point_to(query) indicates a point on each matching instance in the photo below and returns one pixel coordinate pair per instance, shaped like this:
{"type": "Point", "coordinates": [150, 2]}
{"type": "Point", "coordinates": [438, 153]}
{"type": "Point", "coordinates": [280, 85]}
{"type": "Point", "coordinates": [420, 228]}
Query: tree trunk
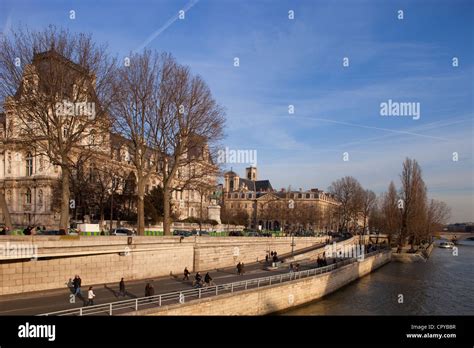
{"type": "Point", "coordinates": [200, 215]}
{"type": "Point", "coordinates": [166, 210]}
{"type": "Point", "coordinates": [65, 194]}
{"type": "Point", "coordinates": [102, 216]}
{"type": "Point", "coordinates": [6, 213]}
{"type": "Point", "coordinates": [141, 207]}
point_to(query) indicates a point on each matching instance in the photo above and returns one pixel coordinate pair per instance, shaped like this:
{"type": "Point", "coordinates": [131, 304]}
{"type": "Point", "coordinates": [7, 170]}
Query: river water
{"type": "Point", "coordinates": [444, 285]}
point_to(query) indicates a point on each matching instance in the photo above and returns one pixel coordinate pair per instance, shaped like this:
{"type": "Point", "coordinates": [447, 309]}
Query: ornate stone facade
{"type": "Point", "coordinates": [269, 209]}
{"type": "Point", "coordinates": [29, 178]}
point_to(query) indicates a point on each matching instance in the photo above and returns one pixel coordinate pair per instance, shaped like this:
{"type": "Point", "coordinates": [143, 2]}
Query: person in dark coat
{"type": "Point", "coordinates": [27, 231]}
{"type": "Point", "coordinates": [197, 280]}
{"type": "Point", "coordinates": [77, 285]}
{"type": "Point", "coordinates": [186, 273]}
{"type": "Point", "coordinates": [151, 290]}
{"type": "Point", "coordinates": [147, 289]}
{"type": "Point", "coordinates": [122, 287]}
{"type": "Point", "coordinates": [239, 268]}
{"type": "Point", "coordinates": [207, 279]}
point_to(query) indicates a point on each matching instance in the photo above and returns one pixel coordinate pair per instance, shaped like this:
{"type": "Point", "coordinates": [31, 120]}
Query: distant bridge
{"type": "Point", "coordinates": [455, 235]}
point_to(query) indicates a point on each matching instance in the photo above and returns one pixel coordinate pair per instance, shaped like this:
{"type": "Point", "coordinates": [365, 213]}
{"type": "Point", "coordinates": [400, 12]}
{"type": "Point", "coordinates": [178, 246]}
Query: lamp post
{"type": "Point", "coordinates": [292, 243]}
{"type": "Point", "coordinates": [112, 203]}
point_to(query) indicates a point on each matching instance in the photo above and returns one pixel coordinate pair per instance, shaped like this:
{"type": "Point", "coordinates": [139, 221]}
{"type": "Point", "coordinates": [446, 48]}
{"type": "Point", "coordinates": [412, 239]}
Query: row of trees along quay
{"type": "Point", "coordinates": [406, 215]}
{"type": "Point", "coordinates": [167, 115]}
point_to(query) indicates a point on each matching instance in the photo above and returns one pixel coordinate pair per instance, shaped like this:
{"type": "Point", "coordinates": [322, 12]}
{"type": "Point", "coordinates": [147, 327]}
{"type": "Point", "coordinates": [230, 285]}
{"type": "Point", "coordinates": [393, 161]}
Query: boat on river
{"type": "Point", "coordinates": [446, 245]}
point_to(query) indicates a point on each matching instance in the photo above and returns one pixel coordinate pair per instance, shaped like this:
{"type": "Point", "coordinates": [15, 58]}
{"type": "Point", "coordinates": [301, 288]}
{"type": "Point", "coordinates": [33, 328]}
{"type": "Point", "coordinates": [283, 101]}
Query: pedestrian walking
{"type": "Point", "coordinates": [291, 267]}
{"type": "Point", "coordinates": [70, 284]}
{"type": "Point", "coordinates": [239, 268]}
{"type": "Point", "coordinates": [197, 280]}
{"type": "Point", "coordinates": [147, 289]}
{"type": "Point", "coordinates": [242, 269]}
{"type": "Point", "coordinates": [122, 288]}
{"type": "Point", "coordinates": [186, 273]}
{"type": "Point", "coordinates": [77, 285]}
{"type": "Point", "coordinates": [266, 258]}
{"type": "Point", "coordinates": [151, 290]}
{"type": "Point", "coordinates": [90, 297]}
{"type": "Point", "coordinates": [208, 279]}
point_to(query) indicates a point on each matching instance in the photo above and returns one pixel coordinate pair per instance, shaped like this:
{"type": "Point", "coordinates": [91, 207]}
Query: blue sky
{"type": "Point", "coordinates": [299, 62]}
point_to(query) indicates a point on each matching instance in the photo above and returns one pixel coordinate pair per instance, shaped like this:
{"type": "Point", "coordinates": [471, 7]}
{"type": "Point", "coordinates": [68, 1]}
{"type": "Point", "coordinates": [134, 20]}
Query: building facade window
{"type": "Point", "coordinates": [28, 196]}
{"type": "Point", "coordinates": [40, 197]}
{"type": "Point", "coordinates": [29, 164]}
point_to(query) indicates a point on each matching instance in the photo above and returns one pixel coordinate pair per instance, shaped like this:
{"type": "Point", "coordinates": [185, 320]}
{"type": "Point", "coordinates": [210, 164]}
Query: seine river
{"type": "Point", "coordinates": [441, 286]}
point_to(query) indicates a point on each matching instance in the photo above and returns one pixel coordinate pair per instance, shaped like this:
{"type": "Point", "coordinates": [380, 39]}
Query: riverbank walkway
{"type": "Point", "coordinates": [48, 301]}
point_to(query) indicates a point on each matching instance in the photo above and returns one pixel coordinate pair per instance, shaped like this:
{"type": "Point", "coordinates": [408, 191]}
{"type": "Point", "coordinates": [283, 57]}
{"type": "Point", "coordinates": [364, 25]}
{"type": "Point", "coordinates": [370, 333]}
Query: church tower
{"type": "Point", "coordinates": [251, 173]}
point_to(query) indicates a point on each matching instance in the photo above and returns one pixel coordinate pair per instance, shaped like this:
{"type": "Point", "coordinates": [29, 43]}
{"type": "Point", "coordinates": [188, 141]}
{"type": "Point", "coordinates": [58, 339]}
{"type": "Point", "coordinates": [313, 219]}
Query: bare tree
{"type": "Point", "coordinates": [413, 196]}
{"type": "Point", "coordinates": [185, 121]}
{"type": "Point", "coordinates": [136, 86]}
{"type": "Point", "coordinates": [59, 93]}
{"type": "Point", "coordinates": [369, 200]}
{"type": "Point", "coordinates": [347, 192]}
{"type": "Point", "coordinates": [437, 215]}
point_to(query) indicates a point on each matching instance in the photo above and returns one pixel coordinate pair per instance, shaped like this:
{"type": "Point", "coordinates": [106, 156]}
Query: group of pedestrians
{"type": "Point", "coordinates": [294, 267]}
{"type": "Point", "coordinates": [273, 256]}
{"type": "Point", "coordinates": [321, 261]}
{"type": "Point", "coordinates": [240, 268]}
{"type": "Point", "coordinates": [198, 281]}
{"type": "Point", "coordinates": [76, 284]}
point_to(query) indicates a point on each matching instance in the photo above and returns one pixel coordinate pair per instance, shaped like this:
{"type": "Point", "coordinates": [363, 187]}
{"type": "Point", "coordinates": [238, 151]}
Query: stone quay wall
{"type": "Point", "coordinates": [105, 259]}
{"type": "Point", "coordinates": [275, 298]}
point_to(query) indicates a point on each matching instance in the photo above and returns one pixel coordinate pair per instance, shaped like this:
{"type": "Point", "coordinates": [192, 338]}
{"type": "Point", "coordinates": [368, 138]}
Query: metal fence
{"type": "Point", "coordinates": [202, 292]}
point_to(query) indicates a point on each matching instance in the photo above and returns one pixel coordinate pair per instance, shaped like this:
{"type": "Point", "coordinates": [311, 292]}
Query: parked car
{"type": "Point", "coordinates": [253, 234]}
{"type": "Point", "coordinates": [182, 233]}
{"type": "Point", "coordinates": [236, 233]}
{"type": "Point", "coordinates": [122, 232]}
{"type": "Point", "coordinates": [52, 233]}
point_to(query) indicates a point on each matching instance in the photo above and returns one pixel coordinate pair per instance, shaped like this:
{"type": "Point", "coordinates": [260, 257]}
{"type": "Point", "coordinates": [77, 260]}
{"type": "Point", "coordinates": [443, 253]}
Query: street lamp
{"type": "Point", "coordinates": [292, 243]}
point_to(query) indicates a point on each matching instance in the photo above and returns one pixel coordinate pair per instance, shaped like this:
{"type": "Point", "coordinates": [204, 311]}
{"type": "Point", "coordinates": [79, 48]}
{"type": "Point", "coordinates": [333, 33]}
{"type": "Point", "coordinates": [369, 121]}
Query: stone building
{"type": "Point", "coordinates": [29, 180]}
{"type": "Point", "coordinates": [269, 209]}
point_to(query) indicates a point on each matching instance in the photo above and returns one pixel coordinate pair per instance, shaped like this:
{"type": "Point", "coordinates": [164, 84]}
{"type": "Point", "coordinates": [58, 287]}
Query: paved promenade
{"type": "Point", "coordinates": [59, 299]}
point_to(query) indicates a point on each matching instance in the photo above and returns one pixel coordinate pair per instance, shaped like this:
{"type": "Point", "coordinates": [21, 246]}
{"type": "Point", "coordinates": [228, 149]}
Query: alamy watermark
{"type": "Point", "coordinates": [227, 155]}
{"type": "Point", "coordinates": [24, 251]}
{"type": "Point", "coordinates": [393, 108]}
{"type": "Point", "coordinates": [345, 251]}
{"type": "Point", "coordinates": [67, 108]}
